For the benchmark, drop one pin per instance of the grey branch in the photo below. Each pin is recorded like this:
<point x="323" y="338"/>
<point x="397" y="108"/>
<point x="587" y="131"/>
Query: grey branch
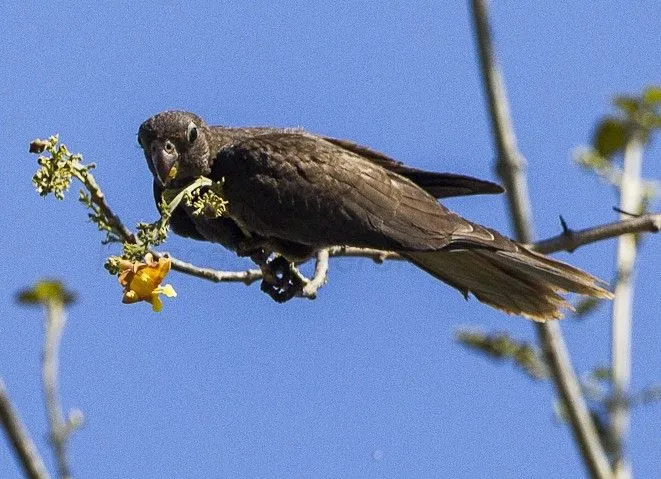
<point x="18" y="436"/>
<point x="570" y="240"/>
<point x="60" y="429"/>
<point x="247" y="277"/>
<point x="510" y="168"/>
<point x="630" y="200"/>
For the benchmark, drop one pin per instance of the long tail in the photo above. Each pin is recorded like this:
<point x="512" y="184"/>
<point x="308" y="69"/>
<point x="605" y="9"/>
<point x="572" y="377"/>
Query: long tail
<point x="517" y="282"/>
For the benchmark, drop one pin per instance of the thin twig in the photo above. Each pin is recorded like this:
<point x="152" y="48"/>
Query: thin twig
<point x="99" y="199"/>
<point x="246" y="277"/>
<point x="26" y="451"/>
<point x="60" y="429"/>
<point x="630" y="199"/>
<point x="510" y="168"/>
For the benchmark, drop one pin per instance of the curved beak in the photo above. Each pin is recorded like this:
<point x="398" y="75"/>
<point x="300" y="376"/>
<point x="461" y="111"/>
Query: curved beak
<point x="164" y="162"/>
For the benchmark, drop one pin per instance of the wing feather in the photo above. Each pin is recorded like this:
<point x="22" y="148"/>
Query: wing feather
<point x="302" y="188"/>
<point x="439" y="185"/>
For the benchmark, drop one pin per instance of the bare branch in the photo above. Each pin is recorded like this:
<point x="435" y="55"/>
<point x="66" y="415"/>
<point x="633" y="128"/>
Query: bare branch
<point x="18" y="436"/>
<point x="570" y="240"/>
<point x="510" y="168"/>
<point x="246" y="277"/>
<point x="630" y="200"/>
<point x="510" y="163"/>
<point x="60" y="429"/>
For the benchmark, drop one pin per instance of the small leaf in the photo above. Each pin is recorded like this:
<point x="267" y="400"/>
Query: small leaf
<point x="610" y="137"/>
<point x="46" y="291"/>
<point x="627" y="104"/>
<point x="601" y="373"/>
<point x="652" y="95"/>
<point x="585" y="306"/>
<point x="501" y="346"/>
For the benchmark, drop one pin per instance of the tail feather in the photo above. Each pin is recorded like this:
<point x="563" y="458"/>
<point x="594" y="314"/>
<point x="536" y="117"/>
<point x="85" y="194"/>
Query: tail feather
<point x="518" y="282"/>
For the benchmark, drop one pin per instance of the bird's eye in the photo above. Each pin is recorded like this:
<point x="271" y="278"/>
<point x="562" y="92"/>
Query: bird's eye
<point x="191" y="134"/>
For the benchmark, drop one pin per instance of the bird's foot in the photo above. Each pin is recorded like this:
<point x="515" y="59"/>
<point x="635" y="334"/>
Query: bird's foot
<point x="282" y="281"/>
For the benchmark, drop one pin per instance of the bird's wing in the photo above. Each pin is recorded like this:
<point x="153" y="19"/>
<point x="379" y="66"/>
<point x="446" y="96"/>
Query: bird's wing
<point x="439" y="185"/>
<point x="301" y="188"/>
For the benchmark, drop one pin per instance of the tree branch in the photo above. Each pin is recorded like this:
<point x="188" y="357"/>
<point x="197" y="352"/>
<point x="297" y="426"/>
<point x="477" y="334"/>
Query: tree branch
<point x="60" y="429"/>
<point x="510" y="168"/>
<point x="18" y="436"/>
<point x="99" y="199"/>
<point x="246" y="277"/>
<point x="630" y="200"/>
<point x="570" y="240"/>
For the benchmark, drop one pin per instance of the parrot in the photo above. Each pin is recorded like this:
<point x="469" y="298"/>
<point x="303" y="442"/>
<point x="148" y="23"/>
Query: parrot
<point x="293" y="193"/>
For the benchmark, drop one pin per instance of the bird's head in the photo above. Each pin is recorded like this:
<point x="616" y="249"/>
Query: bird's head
<point x="176" y="146"/>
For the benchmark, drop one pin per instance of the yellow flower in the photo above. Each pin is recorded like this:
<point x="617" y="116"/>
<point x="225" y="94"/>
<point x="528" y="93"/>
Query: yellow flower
<point x="142" y="281"/>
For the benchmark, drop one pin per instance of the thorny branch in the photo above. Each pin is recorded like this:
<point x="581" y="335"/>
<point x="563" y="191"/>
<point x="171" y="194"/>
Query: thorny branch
<point x="570" y="240"/>
<point x="26" y="451"/>
<point x="510" y="168"/>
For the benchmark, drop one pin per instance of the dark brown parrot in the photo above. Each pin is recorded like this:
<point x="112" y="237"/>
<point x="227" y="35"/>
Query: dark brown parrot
<point x="293" y="193"/>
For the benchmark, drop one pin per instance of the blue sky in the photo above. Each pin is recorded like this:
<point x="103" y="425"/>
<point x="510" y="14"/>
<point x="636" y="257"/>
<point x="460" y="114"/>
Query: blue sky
<point x="367" y="380"/>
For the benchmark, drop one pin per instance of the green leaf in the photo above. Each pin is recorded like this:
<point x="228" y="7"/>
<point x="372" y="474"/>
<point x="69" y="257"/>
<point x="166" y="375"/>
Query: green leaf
<point x="602" y="373"/>
<point x="628" y="104"/>
<point x="46" y="291"/>
<point x="585" y="306"/>
<point x="652" y="95"/>
<point x="501" y="346"/>
<point x="610" y="137"/>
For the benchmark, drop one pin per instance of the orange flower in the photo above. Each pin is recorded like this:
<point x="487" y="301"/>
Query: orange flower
<point x="142" y="281"/>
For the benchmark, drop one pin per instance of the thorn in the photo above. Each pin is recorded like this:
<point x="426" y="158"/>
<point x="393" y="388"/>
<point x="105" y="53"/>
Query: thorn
<point x="568" y="232"/>
<point x="627" y="213"/>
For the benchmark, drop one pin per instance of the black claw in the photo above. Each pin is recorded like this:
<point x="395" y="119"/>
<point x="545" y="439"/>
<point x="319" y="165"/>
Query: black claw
<point x="282" y="285"/>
